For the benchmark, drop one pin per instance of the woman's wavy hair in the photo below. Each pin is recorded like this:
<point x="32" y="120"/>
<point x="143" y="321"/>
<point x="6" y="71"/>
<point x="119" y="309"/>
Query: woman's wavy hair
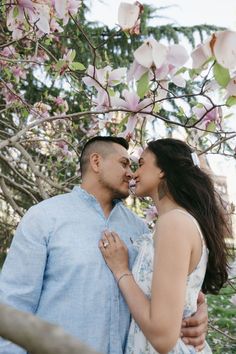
<point x="193" y="189"/>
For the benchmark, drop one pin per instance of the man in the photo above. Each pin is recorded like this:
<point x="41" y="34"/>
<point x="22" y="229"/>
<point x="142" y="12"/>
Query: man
<point x="54" y="267"/>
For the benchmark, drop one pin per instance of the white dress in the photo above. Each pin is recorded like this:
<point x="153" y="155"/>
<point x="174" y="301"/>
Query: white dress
<point x="142" y="271"/>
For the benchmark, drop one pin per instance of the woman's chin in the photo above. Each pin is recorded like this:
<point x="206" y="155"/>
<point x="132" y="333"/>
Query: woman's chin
<point x="140" y="193"/>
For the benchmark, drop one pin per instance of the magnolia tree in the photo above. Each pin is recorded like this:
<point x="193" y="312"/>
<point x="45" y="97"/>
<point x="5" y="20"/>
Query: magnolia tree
<point x="54" y="97"/>
<point x="60" y="84"/>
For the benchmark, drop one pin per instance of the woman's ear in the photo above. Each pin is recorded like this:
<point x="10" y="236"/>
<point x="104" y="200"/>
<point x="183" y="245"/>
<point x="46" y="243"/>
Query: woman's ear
<point x="162" y="174"/>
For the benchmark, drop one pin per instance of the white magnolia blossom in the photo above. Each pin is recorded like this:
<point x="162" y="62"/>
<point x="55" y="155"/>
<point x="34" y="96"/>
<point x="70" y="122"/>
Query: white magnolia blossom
<point x="128" y="16"/>
<point x="221" y="45"/>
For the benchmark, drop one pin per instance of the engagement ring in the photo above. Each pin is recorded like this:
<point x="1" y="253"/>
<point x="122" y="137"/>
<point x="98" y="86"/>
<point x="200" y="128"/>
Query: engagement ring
<point x="105" y="244"/>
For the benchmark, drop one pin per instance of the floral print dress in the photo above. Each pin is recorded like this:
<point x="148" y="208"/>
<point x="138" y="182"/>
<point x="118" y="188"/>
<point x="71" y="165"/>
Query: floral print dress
<point x="142" y="271"/>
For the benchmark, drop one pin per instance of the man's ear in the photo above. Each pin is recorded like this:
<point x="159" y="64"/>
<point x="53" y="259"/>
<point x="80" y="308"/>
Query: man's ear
<point x="95" y="160"/>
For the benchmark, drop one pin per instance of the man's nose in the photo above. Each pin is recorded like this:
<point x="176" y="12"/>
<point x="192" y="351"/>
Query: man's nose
<point x="129" y="173"/>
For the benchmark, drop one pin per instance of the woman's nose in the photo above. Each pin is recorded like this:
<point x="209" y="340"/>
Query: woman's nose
<point x="135" y="174"/>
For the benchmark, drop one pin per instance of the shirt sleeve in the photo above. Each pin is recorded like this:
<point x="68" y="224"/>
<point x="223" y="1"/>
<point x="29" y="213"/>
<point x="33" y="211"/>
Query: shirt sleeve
<point x="22" y="274"/>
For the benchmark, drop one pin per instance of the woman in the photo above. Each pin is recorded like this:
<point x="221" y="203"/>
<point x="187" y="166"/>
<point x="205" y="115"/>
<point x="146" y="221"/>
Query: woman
<point x="186" y="253"/>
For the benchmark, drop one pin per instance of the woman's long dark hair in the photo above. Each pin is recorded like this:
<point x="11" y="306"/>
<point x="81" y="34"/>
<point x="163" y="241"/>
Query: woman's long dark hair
<point x="193" y="189"/>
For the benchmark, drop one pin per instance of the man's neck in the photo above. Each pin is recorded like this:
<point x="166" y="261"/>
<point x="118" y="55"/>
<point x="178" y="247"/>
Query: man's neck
<point x="103" y="196"/>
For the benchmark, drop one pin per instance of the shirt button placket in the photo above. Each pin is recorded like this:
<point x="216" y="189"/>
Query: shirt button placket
<point x="115" y="344"/>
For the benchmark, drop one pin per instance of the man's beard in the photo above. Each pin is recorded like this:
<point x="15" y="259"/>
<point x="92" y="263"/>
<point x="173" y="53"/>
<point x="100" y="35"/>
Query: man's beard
<point x="115" y="192"/>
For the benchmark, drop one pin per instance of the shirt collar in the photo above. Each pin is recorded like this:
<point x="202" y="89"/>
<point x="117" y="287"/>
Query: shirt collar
<point x="90" y="197"/>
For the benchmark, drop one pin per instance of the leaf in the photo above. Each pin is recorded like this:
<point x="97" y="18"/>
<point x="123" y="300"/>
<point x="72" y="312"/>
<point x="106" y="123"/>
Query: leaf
<point x="77" y="66"/>
<point x="143" y="85"/>
<point x="15" y="11"/>
<point x="221" y="75"/>
<point x="194" y="72"/>
<point x="111" y="91"/>
<point x="157" y="107"/>
<point x="199" y="105"/>
<point x="231" y="101"/>
<point x="48" y="41"/>
<point x="181" y="70"/>
<point x="211" y="127"/>
<point x="60" y="64"/>
<point x="72" y="55"/>
<point x="124" y="120"/>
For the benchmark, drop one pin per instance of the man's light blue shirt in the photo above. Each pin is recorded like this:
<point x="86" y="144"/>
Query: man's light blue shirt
<point x="54" y="269"/>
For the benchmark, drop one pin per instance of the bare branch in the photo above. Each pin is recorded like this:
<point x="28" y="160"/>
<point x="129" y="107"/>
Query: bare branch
<point x="9" y="197"/>
<point x="36" y="335"/>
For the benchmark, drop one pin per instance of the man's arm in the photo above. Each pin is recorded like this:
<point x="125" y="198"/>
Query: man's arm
<point x="194" y="328"/>
<point x="22" y="273"/>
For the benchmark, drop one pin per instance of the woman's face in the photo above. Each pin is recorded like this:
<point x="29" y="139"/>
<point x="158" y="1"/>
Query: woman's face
<point x="148" y="175"/>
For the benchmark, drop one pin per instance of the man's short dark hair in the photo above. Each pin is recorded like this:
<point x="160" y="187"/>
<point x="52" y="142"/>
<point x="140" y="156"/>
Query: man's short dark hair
<point x="98" y="143"/>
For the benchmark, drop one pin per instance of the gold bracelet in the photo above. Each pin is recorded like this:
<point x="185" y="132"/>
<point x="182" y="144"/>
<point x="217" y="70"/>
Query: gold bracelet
<point x="122" y="276"/>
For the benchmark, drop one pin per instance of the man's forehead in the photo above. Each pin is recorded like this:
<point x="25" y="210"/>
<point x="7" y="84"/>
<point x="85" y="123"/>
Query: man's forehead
<point x="121" y="151"/>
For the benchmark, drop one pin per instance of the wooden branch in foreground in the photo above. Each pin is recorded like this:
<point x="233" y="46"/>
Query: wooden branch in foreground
<point x="36" y="335"/>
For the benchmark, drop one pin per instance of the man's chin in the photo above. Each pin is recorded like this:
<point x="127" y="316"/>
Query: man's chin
<point x="122" y="194"/>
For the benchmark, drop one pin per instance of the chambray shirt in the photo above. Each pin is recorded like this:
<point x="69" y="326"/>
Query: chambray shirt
<point x="55" y="270"/>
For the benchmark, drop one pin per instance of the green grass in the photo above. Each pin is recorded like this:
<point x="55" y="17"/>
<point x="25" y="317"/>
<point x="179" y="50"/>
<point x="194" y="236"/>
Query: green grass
<point x="222" y="316"/>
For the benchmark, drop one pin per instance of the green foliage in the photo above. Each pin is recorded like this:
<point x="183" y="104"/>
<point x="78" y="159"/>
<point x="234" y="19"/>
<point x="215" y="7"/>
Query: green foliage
<point x="143" y="85"/>
<point x="221" y="75"/>
<point x="222" y="316"/>
<point x="231" y="101"/>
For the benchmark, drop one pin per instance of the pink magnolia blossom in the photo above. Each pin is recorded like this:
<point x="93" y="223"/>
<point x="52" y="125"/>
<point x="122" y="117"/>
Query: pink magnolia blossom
<point x="136" y="71"/>
<point x="132" y="102"/>
<point x="64" y="149"/>
<point x="19" y="73"/>
<point x="201" y="54"/>
<point x="162" y="90"/>
<point x="62" y="104"/>
<point x="8" y="94"/>
<point x="231" y="88"/>
<point x="151" y="53"/>
<point x="136" y="153"/>
<point x="65" y="8"/>
<point x="37" y="14"/>
<point x="8" y="52"/>
<point x="128" y="133"/>
<point x="102" y="101"/>
<point x="67" y="60"/>
<point x="164" y="60"/>
<point x="55" y="27"/>
<point x="224" y="48"/>
<point x="129" y="17"/>
<point x="210" y="115"/>
<point x="101" y="78"/>
<point x="38" y="58"/>
<point x="220" y="45"/>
